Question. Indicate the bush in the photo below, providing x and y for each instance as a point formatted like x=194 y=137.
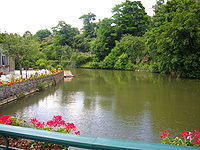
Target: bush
x=41 y=63
x=41 y=85
x=129 y=50
x=53 y=63
x=121 y=61
x=59 y=67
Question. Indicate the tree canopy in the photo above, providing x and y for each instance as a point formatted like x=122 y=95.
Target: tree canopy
x=88 y=25
x=18 y=47
x=130 y=18
x=174 y=40
x=168 y=42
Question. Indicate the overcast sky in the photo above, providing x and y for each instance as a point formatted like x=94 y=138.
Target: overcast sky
x=18 y=16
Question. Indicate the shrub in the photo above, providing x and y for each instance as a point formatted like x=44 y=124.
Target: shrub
x=41 y=85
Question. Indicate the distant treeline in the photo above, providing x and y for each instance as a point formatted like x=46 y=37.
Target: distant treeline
x=168 y=42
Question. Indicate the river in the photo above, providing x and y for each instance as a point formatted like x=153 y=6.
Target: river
x=117 y=104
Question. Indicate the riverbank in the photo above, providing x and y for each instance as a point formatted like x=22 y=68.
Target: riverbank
x=13 y=91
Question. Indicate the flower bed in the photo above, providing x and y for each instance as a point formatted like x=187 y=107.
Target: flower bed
x=32 y=76
x=186 y=138
x=56 y=124
x=18 y=88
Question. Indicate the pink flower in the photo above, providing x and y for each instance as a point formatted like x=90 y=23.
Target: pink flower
x=197 y=134
x=5 y=119
x=185 y=134
x=197 y=141
x=190 y=135
x=164 y=134
x=56 y=121
x=77 y=133
x=57 y=117
x=34 y=120
x=39 y=125
x=69 y=126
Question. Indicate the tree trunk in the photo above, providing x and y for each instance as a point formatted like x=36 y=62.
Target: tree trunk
x=20 y=67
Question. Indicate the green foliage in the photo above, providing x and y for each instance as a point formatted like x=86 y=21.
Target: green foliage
x=105 y=41
x=41 y=85
x=49 y=51
x=88 y=25
x=81 y=43
x=174 y=39
x=41 y=63
x=64 y=34
x=121 y=61
x=129 y=51
x=171 y=44
x=78 y=59
x=20 y=48
x=42 y=34
x=130 y=18
x=59 y=67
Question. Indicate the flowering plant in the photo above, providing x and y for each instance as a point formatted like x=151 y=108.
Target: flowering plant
x=56 y=124
x=186 y=138
x=32 y=76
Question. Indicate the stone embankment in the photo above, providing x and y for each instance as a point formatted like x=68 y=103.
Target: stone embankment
x=9 y=93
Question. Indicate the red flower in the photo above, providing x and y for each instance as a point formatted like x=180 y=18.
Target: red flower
x=5 y=119
x=185 y=134
x=164 y=134
x=77 y=133
x=197 y=134
x=197 y=141
x=56 y=121
x=34 y=120
x=51 y=123
x=69 y=126
x=39 y=125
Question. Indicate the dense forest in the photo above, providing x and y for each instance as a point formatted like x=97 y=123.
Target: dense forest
x=168 y=42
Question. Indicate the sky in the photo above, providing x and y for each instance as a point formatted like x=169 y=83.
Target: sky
x=19 y=16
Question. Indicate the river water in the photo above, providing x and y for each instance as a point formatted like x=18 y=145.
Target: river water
x=117 y=104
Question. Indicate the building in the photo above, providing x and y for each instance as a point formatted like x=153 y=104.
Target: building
x=7 y=64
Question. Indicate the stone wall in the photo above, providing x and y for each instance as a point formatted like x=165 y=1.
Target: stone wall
x=10 y=93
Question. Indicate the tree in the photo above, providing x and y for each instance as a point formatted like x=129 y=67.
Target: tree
x=18 y=47
x=174 y=41
x=28 y=34
x=81 y=43
x=42 y=34
x=89 y=26
x=64 y=34
x=129 y=50
x=105 y=40
x=130 y=18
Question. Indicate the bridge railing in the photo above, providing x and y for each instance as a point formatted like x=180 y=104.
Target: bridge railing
x=85 y=142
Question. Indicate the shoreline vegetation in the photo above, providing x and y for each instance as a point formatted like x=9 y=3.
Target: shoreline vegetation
x=166 y=43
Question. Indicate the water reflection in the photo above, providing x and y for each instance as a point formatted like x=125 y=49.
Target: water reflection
x=117 y=104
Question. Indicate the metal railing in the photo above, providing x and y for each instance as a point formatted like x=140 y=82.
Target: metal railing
x=85 y=142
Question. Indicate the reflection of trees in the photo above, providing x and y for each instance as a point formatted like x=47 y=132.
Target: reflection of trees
x=127 y=93
x=140 y=99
